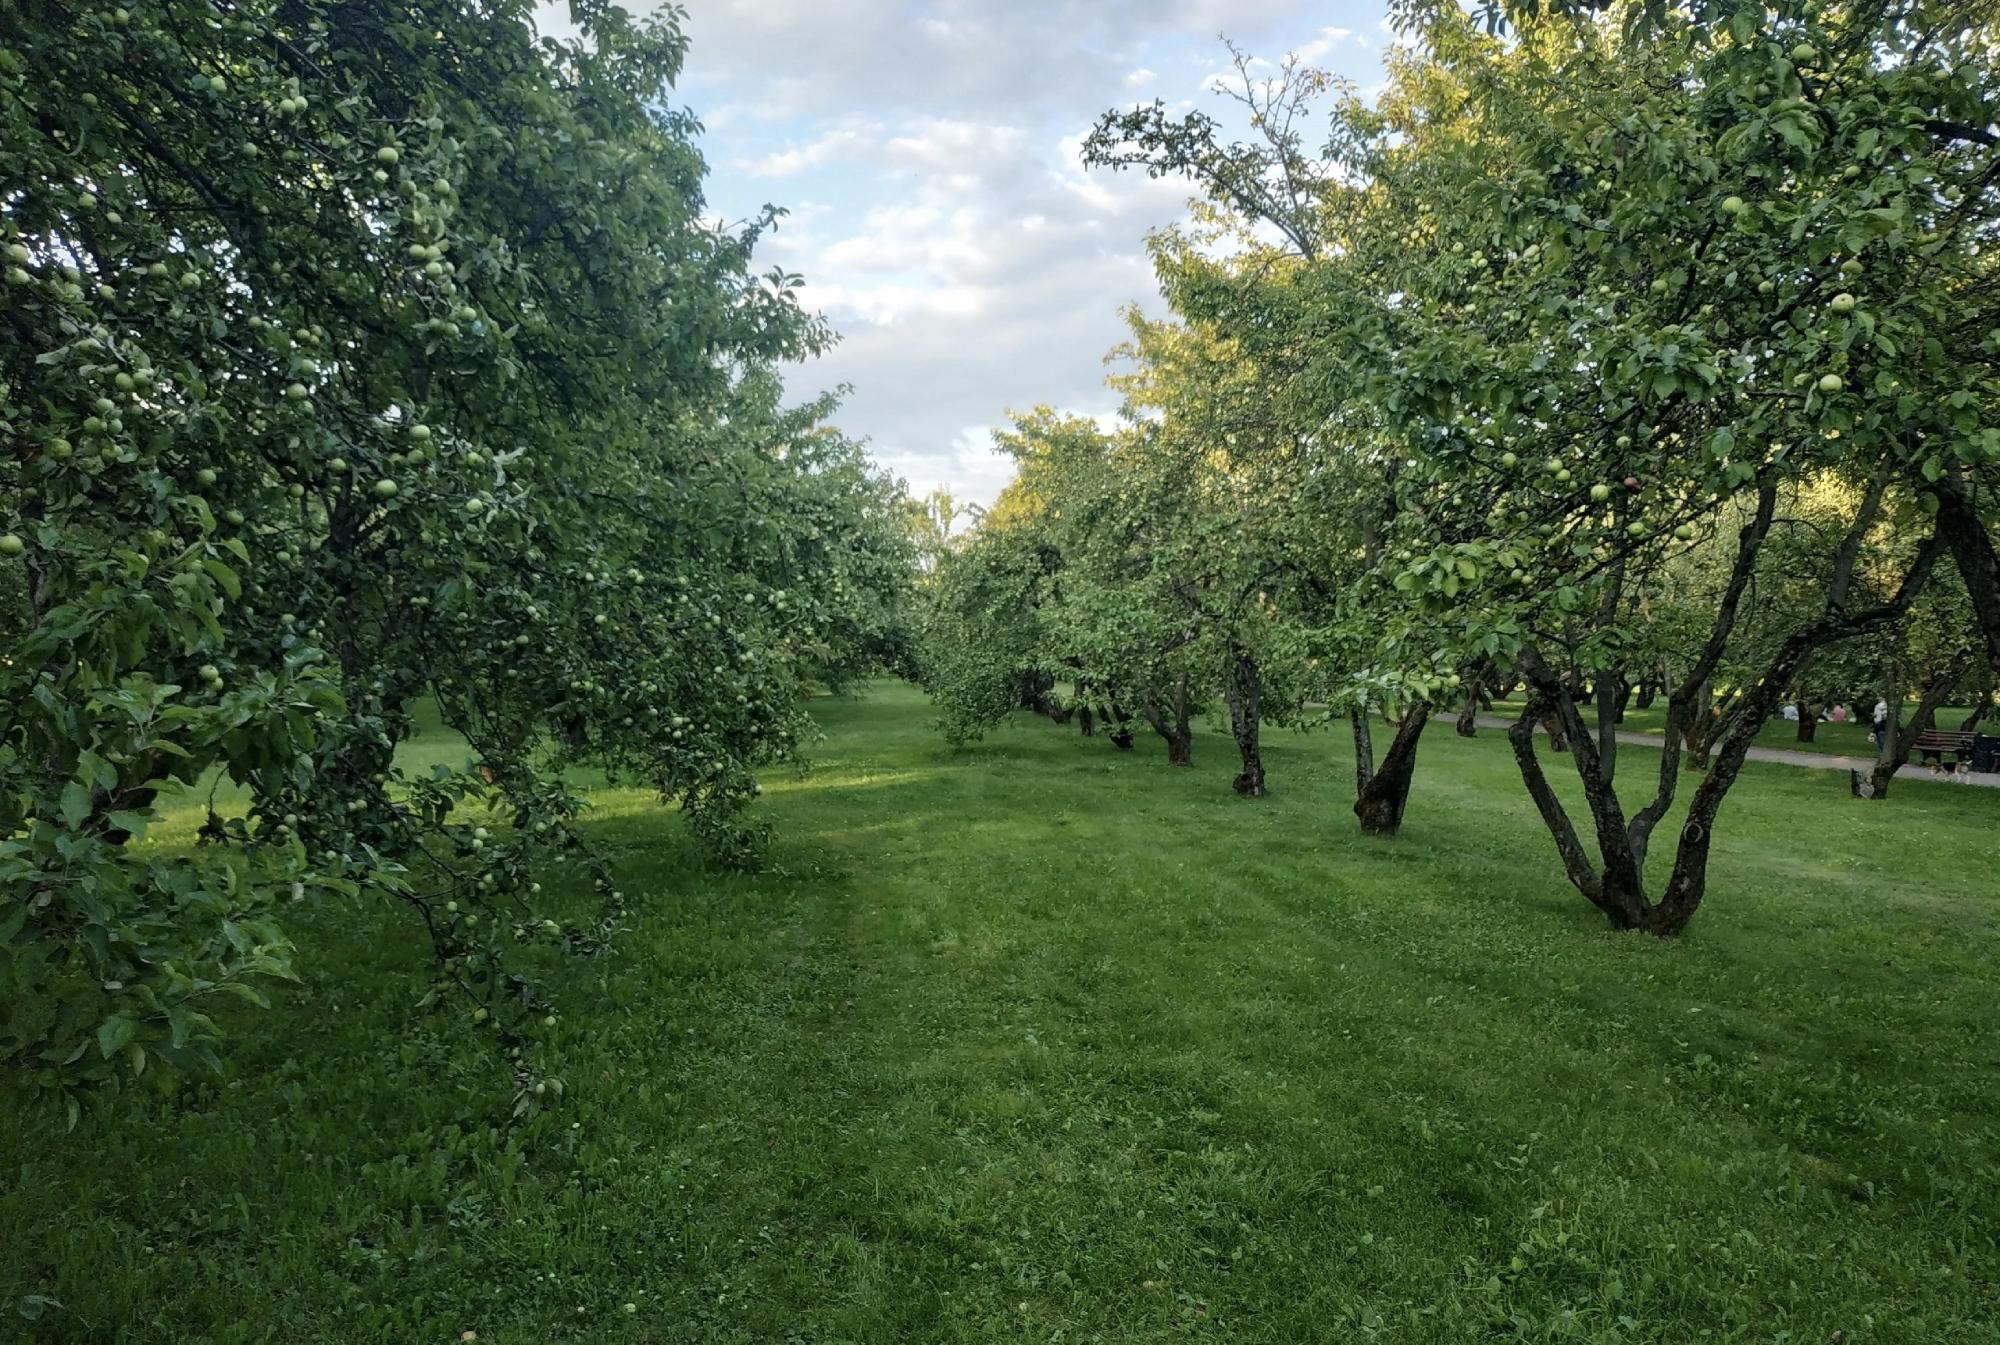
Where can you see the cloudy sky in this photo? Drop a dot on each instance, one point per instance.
(928, 153)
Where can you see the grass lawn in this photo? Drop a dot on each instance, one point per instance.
(1043, 1042)
(1850, 739)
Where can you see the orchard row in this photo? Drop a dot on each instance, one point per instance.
(1643, 351)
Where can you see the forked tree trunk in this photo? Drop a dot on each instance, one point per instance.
(1171, 722)
(1698, 732)
(1244, 695)
(1980, 708)
(1035, 688)
(1121, 725)
(1616, 883)
(1385, 789)
(1364, 749)
(1898, 739)
(1802, 697)
(1614, 693)
(1476, 699)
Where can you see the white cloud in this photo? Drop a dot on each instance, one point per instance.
(1321, 46)
(941, 215)
(836, 143)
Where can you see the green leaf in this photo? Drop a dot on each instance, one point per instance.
(75, 804)
(224, 576)
(114, 1033)
(125, 819)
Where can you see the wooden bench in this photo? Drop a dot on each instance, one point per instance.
(1934, 743)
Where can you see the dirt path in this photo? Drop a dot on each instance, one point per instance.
(1811, 760)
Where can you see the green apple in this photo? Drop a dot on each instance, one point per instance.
(1734, 205)
(1842, 303)
(1831, 383)
(385, 488)
(1600, 492)
(11, 545)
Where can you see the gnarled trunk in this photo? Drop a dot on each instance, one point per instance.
(1467, 723)
(1698, 730)
(1476, 699)
(1616, 883)
(1244, 694)
(1962, 529)
(1121, 725)
(1899, 739)
(1385, 789)
(1035, 689)
(1171, 722)
(1980, 709)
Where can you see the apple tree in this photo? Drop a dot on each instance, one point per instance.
(359, 353)
(1607, 289)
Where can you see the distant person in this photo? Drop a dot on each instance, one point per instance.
(1791, 714)
(1840, 714)
(1880, 731)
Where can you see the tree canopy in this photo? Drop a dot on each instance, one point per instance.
(361, 353)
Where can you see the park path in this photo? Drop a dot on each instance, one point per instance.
(1811, 760)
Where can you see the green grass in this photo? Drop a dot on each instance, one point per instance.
(1042, 1042)
(1850, 739)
